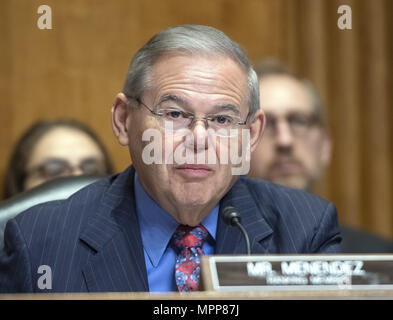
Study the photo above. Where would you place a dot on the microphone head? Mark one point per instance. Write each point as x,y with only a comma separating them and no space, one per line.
230,216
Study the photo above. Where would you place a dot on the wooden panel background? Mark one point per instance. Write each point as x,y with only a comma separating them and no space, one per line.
76,69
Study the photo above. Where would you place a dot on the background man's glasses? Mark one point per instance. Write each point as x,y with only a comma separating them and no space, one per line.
53,168
298,123
174,119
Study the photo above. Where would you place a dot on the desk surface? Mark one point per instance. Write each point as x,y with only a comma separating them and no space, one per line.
210,295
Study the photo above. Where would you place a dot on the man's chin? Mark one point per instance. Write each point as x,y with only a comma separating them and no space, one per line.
193,195
194,198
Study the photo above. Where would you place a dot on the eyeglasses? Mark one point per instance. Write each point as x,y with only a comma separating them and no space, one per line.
299,123
54,168
174,119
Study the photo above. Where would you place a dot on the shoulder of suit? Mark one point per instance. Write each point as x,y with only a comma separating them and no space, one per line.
273,193
84,200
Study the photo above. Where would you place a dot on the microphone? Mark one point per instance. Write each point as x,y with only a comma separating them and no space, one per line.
232,218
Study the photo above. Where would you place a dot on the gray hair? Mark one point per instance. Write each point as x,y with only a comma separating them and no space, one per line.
191,40
271,66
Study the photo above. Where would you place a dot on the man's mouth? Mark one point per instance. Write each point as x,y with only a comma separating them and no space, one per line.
286,167
194,170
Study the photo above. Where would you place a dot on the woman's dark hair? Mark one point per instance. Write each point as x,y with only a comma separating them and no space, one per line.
16,171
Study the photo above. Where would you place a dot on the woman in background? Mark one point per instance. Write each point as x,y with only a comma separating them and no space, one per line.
52,149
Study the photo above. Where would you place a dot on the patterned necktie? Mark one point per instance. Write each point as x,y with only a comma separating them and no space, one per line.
188,242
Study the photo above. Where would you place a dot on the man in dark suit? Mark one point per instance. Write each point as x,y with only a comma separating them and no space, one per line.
189,106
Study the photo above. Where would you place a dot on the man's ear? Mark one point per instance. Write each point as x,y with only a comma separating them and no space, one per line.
120,113
256,129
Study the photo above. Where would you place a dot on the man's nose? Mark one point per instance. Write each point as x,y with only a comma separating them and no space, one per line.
200,135
77,171
284,136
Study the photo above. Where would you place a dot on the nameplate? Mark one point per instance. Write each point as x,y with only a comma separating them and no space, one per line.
297,272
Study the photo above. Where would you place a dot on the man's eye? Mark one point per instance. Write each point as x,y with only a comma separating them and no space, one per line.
172,114
53,169
223,120
298,121
92,167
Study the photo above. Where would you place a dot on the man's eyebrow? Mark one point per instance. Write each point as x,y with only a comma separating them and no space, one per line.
227,107
183,102
53,160
90,159
174,98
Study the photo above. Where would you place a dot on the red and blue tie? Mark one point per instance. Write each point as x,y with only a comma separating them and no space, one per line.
188,242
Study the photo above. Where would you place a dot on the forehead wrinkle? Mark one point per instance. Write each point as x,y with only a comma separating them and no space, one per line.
198,78
202,82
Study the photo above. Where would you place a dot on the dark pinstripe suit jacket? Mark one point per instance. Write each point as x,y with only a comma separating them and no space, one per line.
92,240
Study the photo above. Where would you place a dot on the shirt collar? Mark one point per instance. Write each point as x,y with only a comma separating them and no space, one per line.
157,226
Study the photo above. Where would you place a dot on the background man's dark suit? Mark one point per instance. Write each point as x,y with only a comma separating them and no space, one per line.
92,241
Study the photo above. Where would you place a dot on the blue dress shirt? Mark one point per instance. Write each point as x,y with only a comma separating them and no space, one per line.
157,227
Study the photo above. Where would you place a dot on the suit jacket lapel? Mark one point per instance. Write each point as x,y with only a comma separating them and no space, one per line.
229,240
117,261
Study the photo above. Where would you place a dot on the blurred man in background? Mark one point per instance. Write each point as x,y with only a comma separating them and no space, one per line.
296,145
